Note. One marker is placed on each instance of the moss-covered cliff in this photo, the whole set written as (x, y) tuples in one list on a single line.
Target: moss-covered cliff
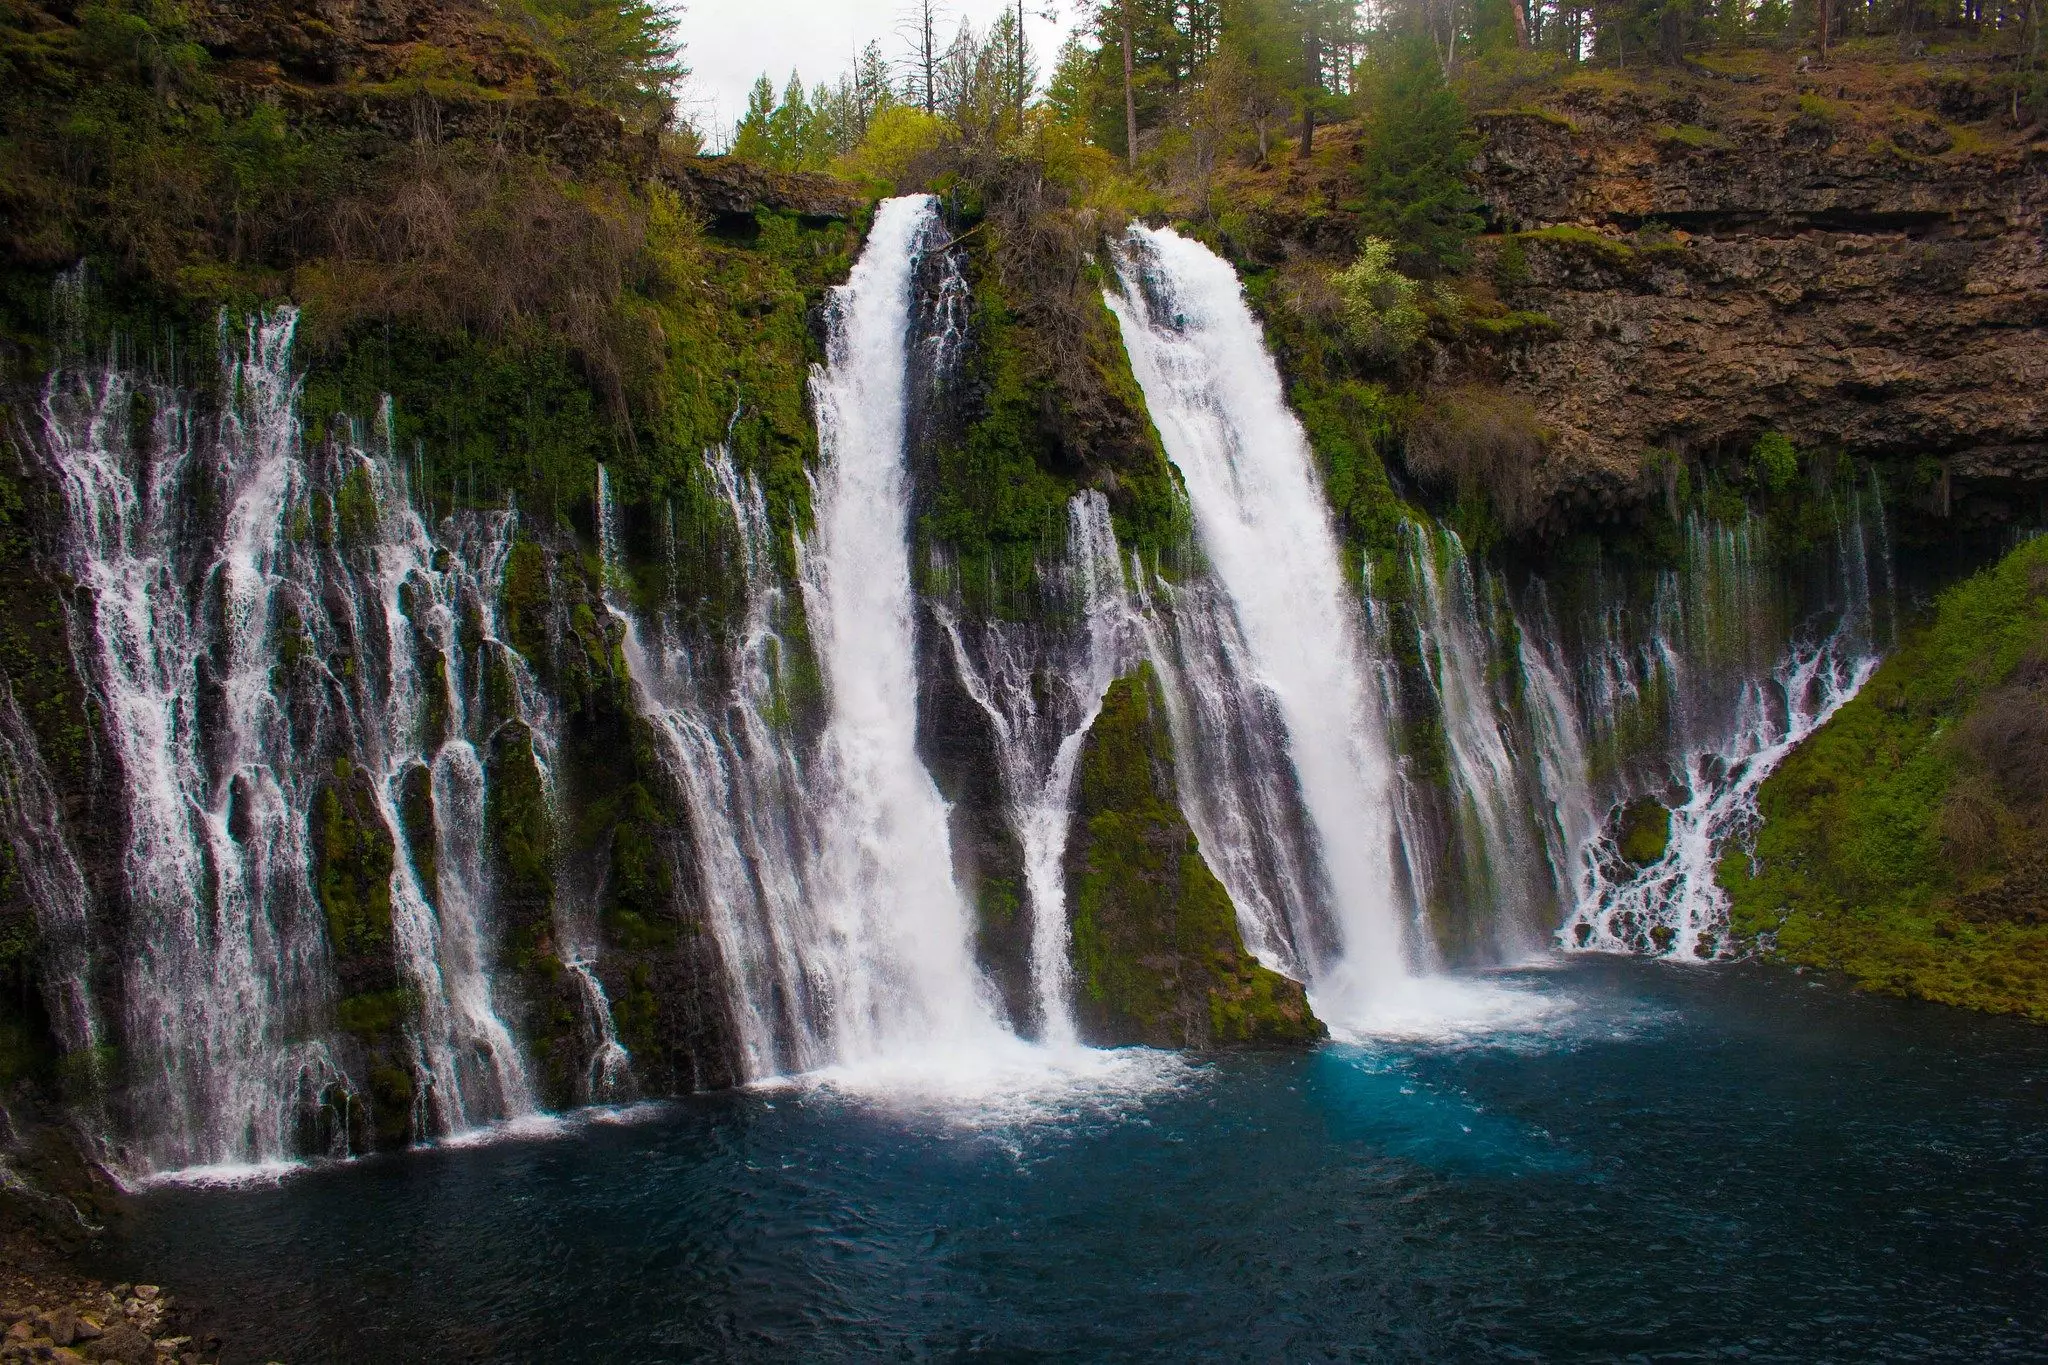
[(1158, 958), (1906, 844)]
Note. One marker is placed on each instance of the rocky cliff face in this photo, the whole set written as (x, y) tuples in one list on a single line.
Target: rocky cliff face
[(1852, 257)]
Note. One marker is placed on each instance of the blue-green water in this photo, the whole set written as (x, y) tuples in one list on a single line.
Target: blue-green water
[(1674, 1164)]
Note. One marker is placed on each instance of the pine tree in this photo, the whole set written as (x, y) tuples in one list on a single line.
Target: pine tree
[(1417, 147)]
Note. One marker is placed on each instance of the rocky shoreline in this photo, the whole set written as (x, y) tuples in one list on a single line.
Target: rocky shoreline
[(53, 1309), (61, 1317)]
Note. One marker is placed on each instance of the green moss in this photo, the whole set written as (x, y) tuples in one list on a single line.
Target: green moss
[(1645, 831), (356, 514), (1773, 462), (1055, 408), (376, 1015), (1156, 948), (1889, 850), (416, 810), (353, 857), (527, 599), (522, 827), (1516, 327), (1585, 243), (1693, 136)]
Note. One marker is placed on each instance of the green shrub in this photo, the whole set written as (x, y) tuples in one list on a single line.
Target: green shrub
[(1773, 462), (1383, 310)]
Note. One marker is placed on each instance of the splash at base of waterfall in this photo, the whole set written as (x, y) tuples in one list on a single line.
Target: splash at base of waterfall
[(1014, 1083)]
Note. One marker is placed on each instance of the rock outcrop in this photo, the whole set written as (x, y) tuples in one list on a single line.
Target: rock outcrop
[(1158, 958), (1852, 258)]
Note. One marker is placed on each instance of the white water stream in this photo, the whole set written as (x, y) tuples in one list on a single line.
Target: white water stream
[(1264, 526)]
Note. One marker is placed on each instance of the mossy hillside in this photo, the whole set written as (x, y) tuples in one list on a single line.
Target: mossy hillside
[(1902, 843), (1046, 405), (1158, 957)]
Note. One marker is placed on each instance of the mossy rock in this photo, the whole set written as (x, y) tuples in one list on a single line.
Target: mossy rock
[(1158, 958), (1643, 830), (521, 825), (353, 858)]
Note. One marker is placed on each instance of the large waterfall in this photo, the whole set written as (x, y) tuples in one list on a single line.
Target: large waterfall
[(825, 863), (292, 939), (900, 967), (1263, 524)]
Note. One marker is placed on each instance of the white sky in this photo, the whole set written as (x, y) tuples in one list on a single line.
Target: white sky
[(728, 43)]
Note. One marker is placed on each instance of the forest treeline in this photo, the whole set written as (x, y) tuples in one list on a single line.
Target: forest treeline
[(1171, 82)]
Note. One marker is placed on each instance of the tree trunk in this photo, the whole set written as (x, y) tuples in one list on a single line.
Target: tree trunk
[(1521, 24), (1313, 63), (1023, 93), (929, 41), (1130, 94)]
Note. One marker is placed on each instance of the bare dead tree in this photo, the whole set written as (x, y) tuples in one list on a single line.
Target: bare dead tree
[(1130, 90), (919, 31)]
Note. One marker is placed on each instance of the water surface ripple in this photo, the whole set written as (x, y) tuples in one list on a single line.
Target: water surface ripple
[(1672, 1164)]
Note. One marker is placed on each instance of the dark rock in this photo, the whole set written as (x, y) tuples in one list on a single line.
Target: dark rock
[(723, 186), (121, 1343)]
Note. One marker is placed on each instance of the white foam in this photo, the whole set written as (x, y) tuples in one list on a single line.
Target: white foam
[(1015, 1084), (223, 1176), (1444, 1010)]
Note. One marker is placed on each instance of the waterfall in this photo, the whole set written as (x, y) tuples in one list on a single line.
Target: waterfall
[(1237, 785), (898, 958), (175, 632), (1263, 524), (1041, 697), (1731, 713), (412, 605), (826, 867), (1462, 625), (742, 783), (253, 626)]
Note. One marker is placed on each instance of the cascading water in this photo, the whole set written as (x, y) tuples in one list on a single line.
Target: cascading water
[(826, 870), (176, 632), (1460, 622), (1263, 525), (1726, 723), (410, 600), (897, 960), (309, 631), (1041, 697), (1239, 790), (741, 781)]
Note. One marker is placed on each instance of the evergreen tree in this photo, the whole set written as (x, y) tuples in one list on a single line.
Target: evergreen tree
[(623, 53), (1418, 145), (754, 139)]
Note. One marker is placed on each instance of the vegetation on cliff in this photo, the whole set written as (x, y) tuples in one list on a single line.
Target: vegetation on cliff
[(1157, 955), (1906, 844)]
